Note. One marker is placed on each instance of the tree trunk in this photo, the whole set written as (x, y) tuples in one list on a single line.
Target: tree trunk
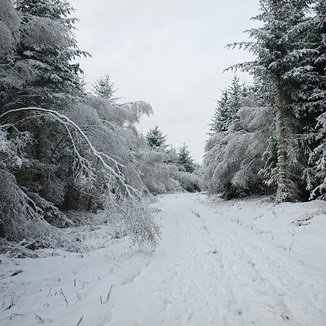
[(283, 182)]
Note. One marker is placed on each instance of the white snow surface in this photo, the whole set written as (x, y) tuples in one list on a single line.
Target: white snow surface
[(241, 262)]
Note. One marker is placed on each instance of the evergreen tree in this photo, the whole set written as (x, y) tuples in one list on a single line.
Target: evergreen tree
[(104, 88), (9, 25), (220, 119), (155, 138), (185, 160), (45, 53), (277, 49), (235, 93), (227, 107), (314, 87), (10, 21)]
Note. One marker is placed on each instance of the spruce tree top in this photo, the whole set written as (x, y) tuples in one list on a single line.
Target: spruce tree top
[(155, 138)]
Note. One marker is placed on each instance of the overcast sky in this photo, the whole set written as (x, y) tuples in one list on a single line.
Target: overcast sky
[(169, 53)]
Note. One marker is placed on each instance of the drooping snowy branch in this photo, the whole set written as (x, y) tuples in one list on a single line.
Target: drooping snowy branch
[(61, 118)]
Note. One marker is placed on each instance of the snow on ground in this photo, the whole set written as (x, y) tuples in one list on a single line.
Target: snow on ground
[(246, 262)]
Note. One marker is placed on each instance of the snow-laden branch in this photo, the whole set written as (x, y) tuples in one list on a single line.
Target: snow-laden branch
[(61, 118)]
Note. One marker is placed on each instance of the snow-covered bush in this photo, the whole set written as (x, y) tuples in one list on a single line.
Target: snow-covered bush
[(191, 182), (158, 175), (138, 224), (166, 169), (233, 158)]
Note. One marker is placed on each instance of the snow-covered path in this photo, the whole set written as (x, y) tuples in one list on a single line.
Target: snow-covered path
[(210, 269)]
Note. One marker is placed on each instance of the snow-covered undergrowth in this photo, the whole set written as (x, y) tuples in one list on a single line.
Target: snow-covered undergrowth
[(241, 262)]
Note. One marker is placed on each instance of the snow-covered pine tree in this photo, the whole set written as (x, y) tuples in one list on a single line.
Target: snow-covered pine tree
[(235, 94), (104, 88), (314, 88), (185, 161), (47, 49), (9, 25), (220, 118), (155, 138), (189, 175), (41, 73), (45, 74), (227, 107), (276, 49), (316, 174), (10, 21)]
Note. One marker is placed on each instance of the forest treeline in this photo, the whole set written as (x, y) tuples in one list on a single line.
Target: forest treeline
[(270, 137), (63, 149)]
